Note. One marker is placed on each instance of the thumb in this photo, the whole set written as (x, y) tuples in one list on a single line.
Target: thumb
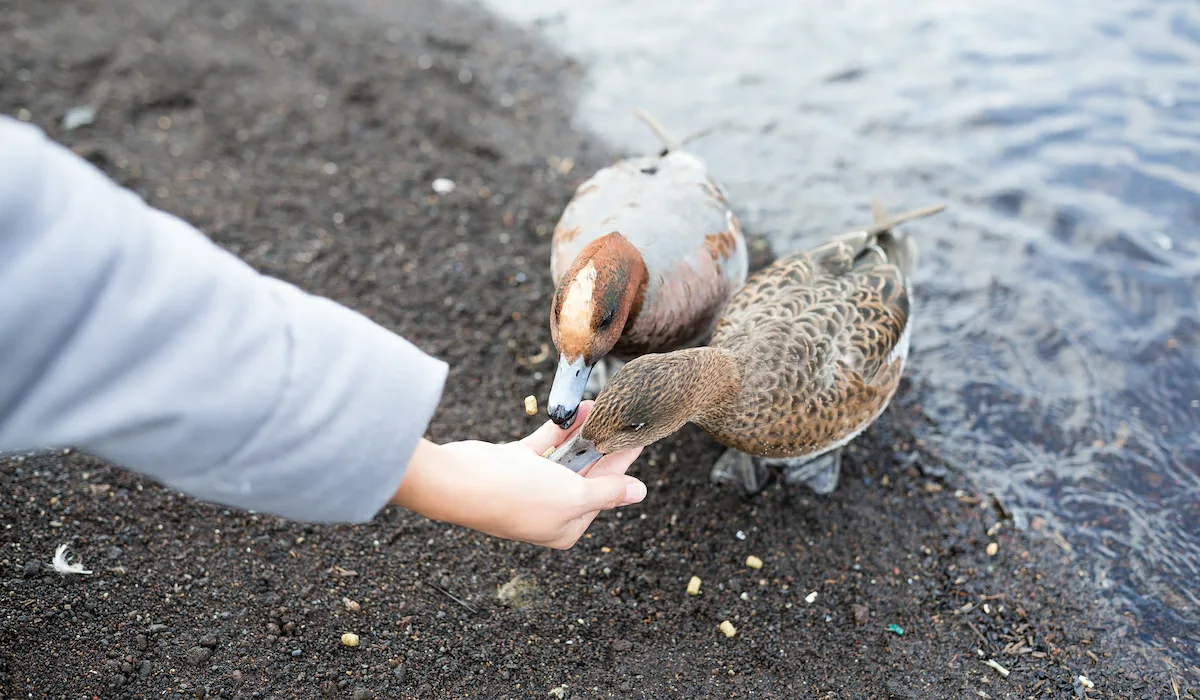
[(611, 491)]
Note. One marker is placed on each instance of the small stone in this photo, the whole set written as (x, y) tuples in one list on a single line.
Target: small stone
[(145, 668), (198, 655), (992, 548), (862, 614), (531, 407), (156, 628), (622, 645), (32, 568), (273, 629), (351, 606), (693, 587), (297, 653), (140, 643), (558, 692), (76, 117), (208, 640), (1085, 682), (444, 185), (399, 673), (361, 694), (754, 562), (113, 552), (811, 598), (350, 639), (728, 628)]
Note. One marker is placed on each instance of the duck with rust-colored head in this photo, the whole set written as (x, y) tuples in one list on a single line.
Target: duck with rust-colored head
[(804, 358), (644, 257)]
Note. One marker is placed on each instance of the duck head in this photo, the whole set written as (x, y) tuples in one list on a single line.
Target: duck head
[(597, 296), (650, 398)]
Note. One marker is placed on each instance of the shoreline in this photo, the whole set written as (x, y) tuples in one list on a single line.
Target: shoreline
[(228, 115)]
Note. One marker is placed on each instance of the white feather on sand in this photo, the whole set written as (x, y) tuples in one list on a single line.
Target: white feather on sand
[(62, 566)]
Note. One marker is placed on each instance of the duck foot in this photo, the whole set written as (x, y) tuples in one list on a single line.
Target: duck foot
[(820, 474), (740, 469), (603, 370)]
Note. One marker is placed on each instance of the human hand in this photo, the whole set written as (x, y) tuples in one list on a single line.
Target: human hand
[(510, 491)]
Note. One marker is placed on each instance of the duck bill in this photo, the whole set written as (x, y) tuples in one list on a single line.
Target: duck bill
[(567, 391), (577, 454)]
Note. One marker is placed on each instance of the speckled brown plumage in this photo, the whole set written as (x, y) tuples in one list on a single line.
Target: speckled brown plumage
[(805, 356)]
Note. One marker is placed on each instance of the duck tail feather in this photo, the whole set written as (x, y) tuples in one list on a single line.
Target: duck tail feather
[(670, 143), (899, 249)]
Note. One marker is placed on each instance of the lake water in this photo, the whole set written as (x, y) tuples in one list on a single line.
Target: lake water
[(1057, 346)]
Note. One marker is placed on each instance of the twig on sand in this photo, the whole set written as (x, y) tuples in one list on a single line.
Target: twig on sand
[(451, 596), (999, 669)]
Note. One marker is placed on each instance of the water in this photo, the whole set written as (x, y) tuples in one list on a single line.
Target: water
[(1057, 346)]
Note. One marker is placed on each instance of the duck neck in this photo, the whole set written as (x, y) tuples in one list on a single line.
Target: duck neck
[(716, 381)]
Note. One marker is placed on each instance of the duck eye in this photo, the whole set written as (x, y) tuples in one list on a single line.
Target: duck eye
[(635, 426), (608, 319)]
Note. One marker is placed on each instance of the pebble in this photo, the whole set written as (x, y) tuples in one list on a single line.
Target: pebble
[(811, 598), (531, 407), (754, 562), (351, 605), (622, 645), (76, 117), (728, 628), (444, 186), (361, 694), (208, 640), (862, 614), (113, 552), (992, 548), (693, 587), (350, 639), (297, 652), (32, 568), (156, 628), (198, 655)]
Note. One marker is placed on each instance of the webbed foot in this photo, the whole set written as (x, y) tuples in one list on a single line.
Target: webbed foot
[(740, 469), (820, 474)]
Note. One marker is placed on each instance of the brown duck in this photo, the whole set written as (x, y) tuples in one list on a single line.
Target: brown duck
[(805, 356), (644, 257)]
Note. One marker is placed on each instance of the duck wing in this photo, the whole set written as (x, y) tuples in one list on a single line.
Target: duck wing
[(821, 336)]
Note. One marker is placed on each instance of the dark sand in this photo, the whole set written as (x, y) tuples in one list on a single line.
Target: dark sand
[(227, 114)]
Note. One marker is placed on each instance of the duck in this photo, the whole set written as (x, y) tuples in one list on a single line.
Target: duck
[(805, 357), (644, 257)]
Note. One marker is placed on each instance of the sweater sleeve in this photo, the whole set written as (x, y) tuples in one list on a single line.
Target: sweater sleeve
[(128, 334)]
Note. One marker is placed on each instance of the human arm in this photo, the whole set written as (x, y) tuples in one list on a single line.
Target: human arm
[(126, 333), (511, 491)]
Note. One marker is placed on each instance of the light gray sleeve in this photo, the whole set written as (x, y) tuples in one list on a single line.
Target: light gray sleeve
[(126, 333)]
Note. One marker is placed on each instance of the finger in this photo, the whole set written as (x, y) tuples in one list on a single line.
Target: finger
[(616, 463), (612, 491), (550, 435)]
